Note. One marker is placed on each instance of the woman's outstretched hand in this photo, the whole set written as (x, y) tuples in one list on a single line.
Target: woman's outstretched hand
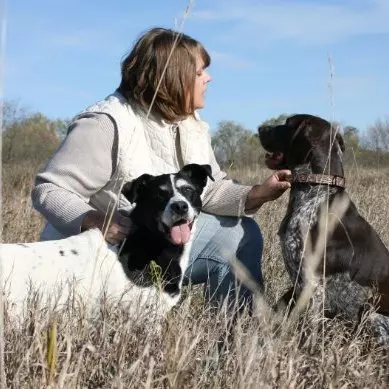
[(117, 230), (270, 190)]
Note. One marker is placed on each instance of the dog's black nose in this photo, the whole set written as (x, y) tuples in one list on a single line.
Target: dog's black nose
[(179, 207)]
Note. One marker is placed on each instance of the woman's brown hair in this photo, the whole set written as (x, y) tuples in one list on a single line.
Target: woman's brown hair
[(142, 73)]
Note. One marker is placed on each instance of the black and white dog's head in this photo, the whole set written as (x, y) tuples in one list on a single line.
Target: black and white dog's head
[(168, 204), (166, 207), (302, 139)]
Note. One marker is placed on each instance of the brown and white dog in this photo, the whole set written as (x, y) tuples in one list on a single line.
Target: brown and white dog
[(356, 260)]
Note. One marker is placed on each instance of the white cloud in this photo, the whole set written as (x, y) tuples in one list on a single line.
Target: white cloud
[(299, 21), (68, 40), (230, 60), (80, 38), (87, 40), (353, 88)]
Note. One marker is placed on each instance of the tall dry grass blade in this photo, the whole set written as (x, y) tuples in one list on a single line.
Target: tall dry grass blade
[(88, 346), (328, 161), (180, 29), (3, 15), (52, 350), (64, 371), (156, 275), (242, 274), (149, 380)]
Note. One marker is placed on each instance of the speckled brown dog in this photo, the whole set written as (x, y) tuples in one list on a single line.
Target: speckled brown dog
[(356, 259)]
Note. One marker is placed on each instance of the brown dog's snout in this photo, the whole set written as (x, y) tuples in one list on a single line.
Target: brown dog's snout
[(264, 133), (274, 138)]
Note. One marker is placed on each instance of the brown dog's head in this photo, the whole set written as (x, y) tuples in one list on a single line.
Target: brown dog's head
[(302, 139)]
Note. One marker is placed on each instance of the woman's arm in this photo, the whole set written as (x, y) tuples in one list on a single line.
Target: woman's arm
[(225, 197), (269, 190), (81, 166)]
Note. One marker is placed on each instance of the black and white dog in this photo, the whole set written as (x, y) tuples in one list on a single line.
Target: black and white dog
[(356, 260), (86, 267)]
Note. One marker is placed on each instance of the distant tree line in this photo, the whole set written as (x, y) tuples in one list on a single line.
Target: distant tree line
[(33, 137), (236, 146), (29, 137)]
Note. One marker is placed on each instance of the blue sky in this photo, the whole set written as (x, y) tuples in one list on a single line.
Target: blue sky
[(268, 57)]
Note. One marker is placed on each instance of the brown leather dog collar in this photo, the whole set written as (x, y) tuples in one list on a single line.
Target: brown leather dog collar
[(319, 179)]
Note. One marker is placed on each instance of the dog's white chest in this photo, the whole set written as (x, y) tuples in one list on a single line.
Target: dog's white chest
[(303, 212)]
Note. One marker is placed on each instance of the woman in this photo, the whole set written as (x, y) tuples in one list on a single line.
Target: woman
[(150, 125)]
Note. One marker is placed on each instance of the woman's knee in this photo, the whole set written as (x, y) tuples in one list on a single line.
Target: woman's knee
[(247, 244), (251, 226), (250, 248), (252, 234), (224, 238)]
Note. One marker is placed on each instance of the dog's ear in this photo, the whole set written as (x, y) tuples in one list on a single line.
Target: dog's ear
[(312, 130), (295, 121), (132, 190), (305, 128), (197, 173), (340, 140), (309, 127)]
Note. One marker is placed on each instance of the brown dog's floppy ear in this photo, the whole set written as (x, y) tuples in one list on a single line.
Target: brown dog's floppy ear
[(132, 190), (304, 129), (197, 173), (340, 140)]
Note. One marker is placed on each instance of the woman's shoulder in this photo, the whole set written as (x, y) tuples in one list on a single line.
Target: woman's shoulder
[(114, 104), (112, 114), (93, 120)]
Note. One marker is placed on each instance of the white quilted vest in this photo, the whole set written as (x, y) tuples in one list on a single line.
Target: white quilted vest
[(147, 146)]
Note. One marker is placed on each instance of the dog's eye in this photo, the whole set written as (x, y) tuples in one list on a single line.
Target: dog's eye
[(186, 190)]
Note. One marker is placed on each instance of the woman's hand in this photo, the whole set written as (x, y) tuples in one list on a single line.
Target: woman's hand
[(270, 190), (117, 230)]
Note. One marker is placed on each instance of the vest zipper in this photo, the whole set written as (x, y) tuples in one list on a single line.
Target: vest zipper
[(174, 132)]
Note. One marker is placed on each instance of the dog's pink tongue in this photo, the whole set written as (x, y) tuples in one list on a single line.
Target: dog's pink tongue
[(180, 234)]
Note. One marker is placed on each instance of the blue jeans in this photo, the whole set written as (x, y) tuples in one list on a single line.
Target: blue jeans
[(217, 241)]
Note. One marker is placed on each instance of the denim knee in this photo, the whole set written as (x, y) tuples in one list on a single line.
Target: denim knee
[(252, 232), (251, 246), (219, 240), (249, 254)]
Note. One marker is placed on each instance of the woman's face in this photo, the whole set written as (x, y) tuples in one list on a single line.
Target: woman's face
[(202, 79)]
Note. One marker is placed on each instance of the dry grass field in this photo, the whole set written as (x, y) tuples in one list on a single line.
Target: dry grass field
[(112, 350)]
